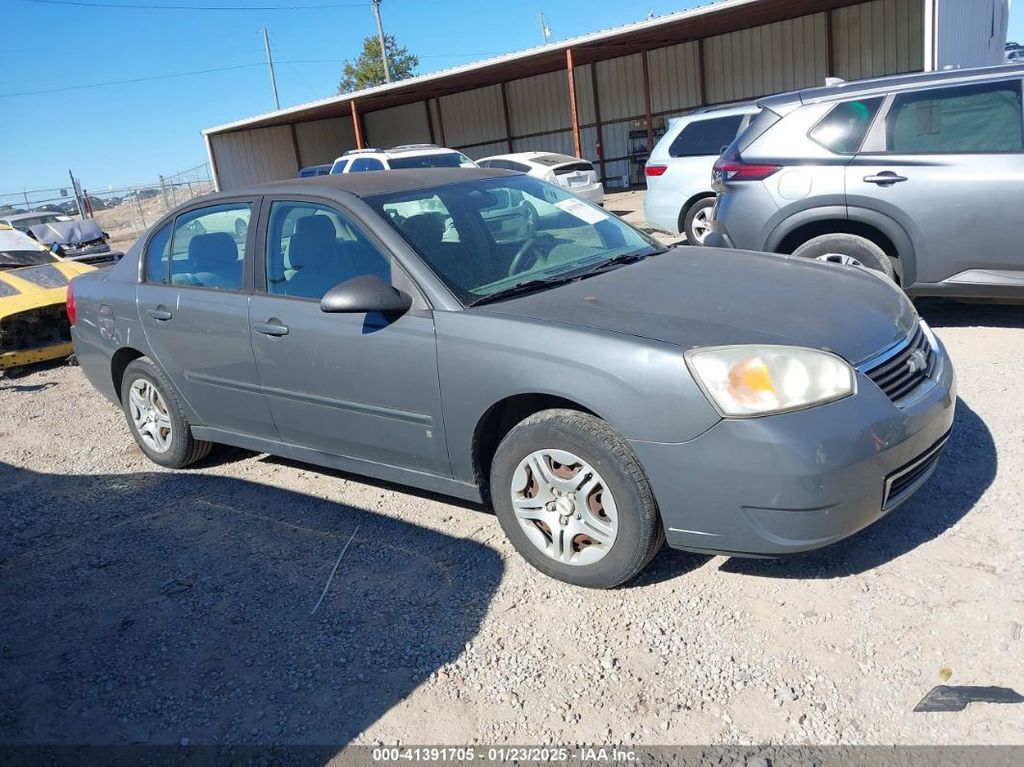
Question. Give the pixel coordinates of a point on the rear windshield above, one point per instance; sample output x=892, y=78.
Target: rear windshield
x=764, y=120
x=434, y=160
x=705, y=137
x=577, y=166
x=552, y=159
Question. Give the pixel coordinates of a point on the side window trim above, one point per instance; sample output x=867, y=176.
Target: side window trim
x=399, y=272
x=876, y=142
x=255, y=203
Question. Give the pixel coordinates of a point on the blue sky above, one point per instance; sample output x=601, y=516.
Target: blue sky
x=129, y=133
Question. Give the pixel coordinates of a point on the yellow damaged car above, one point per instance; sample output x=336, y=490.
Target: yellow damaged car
x=33, y=288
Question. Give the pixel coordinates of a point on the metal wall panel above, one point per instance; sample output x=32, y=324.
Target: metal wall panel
x=675, y=77
x=321, y=141
x=399, y=125
x=476, y=151
x=878, y=38
x=768, y=59
x=540, y=103
x=560, y=143
x=620, y=87
x=254, y=156
x=474, y=117
x=584, y=93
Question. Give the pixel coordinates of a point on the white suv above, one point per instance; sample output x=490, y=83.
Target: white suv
x=679, y=197
x=406, y=156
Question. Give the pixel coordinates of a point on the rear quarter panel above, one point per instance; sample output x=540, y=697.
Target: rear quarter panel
x=107, y=320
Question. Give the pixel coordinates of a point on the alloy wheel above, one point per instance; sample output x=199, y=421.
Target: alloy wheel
x=150, y=416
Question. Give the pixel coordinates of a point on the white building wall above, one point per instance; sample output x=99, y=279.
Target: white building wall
x=540, y=103
x=254, y=156
x=968, y=33
x=675, y=77
x=620, y=87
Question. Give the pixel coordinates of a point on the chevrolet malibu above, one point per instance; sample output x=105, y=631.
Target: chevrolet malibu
x=601, y=392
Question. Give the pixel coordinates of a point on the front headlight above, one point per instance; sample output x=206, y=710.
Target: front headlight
x=746, y=381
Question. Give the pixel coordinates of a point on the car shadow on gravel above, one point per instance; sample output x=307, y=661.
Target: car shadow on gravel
x=155, y=607
x=954, y=314
x=965, y=470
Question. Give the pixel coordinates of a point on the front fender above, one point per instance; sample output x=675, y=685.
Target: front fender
x=642, y=388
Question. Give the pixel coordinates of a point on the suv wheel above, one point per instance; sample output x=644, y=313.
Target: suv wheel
x=695, y=225
x=848, y=249
x=573, y=500
x=156, y=419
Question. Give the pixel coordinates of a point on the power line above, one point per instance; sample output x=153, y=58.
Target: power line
x=212, y=70
x=162, y=7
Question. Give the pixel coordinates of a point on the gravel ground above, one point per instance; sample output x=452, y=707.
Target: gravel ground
x=254, y=600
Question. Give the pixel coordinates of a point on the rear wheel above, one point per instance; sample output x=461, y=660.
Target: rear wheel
x=848, y=249
x=573, y=499
x=156, y=418
x=697, y=224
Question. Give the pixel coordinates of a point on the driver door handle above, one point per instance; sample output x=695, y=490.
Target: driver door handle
x=885, y=178
x=159, y=314
x=271, y=327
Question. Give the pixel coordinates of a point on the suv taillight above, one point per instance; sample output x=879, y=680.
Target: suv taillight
x=72, y=315
x=730, y=167
x=654, y=170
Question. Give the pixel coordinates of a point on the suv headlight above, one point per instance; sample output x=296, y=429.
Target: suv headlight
x=747, y=381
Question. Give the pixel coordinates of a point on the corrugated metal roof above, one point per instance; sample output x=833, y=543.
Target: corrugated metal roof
x=658, y=31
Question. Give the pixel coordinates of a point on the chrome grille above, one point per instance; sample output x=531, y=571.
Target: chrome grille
x=909, y=366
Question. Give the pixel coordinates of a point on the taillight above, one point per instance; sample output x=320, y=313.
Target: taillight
x=730, y=167
x=655, y=170
x=72, y=315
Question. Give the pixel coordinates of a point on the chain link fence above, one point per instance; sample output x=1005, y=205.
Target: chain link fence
x=124, y=213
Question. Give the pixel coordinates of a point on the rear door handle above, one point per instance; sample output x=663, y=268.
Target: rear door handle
x=159, y=314
x=885, y=178
x=271, y=327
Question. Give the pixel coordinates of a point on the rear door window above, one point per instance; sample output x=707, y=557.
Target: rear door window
x=977, y=118
x=843, y=129
x=156, y=255
x=705, y=137
x=208, y=246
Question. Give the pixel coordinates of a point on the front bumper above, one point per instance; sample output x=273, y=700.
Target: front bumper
x=798, y=481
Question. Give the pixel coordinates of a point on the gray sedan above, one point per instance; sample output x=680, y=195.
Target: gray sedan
x=601, y=392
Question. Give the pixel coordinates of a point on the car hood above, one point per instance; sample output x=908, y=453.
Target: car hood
x=67, y=232
x=692, y=297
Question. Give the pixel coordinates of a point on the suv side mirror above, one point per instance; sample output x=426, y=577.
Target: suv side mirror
x=366, y=294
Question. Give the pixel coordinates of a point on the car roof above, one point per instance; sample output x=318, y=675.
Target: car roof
x=531, y=157
x=881, y=85
x=371, y=183
x=398, y=151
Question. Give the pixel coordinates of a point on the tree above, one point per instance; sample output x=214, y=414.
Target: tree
x=368, y=69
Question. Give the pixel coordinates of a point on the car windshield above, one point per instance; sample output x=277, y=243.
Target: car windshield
x=489, y=238
x=18, y=250
x=24, y=224
x=432, y=160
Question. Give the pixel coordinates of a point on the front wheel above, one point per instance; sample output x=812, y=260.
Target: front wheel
x=573, y=500
x=848, y=249
x=156, y=418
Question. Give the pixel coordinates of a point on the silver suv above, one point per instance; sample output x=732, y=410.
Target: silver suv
x=917, y=176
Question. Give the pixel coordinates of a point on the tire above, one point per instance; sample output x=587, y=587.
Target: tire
x=610, y=465
x=861, y=249
x=694, y=225
x=182, y=449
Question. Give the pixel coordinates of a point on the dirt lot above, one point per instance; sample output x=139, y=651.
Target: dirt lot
x=148, y=606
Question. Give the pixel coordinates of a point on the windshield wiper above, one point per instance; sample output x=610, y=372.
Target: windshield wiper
x=530, y=286
x=616, y=261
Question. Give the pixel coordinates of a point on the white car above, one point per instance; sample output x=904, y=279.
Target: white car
x=679, y=197
x=406, y=156
x=571, y=173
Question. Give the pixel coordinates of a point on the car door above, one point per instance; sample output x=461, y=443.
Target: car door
x=354, y=385
x=193, y=303
x=948, y=165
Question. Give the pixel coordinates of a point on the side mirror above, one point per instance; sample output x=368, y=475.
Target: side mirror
x=367, y=294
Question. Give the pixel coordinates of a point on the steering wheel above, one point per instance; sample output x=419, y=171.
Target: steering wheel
x=517, y=262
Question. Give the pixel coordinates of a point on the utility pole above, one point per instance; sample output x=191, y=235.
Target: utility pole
x=77, y=190
x=270, y=63
x=380, y=41
x=545, y=30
